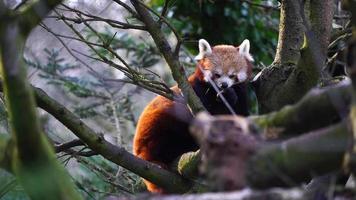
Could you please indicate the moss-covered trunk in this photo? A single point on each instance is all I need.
(300, 56)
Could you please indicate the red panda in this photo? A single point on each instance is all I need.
(162, 130)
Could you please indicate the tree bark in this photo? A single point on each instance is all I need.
(291, 31)
(248, 161)
(296, 69)
(297, 160)
(319, 108)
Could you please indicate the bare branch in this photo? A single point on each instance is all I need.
(136, 77)
(67, 145)
(128, 8)
(89, 17)
(177, 69)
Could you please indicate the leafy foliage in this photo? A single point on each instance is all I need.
(142, 54)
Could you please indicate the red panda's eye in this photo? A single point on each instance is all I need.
(231, 76)
(217, 75)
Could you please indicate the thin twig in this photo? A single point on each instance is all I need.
(128, 8)
(67, 145)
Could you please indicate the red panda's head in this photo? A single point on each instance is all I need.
(226, 65)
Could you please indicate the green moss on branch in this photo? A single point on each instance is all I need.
(319, 108)
(299, 159)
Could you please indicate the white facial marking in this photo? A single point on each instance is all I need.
(207, 75)
(242, 76)
(219, 71)
(224, 79)
(204, 48)
(244, 50)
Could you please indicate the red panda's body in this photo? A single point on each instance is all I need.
(162, 131)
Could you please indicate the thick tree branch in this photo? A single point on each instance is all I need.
(270, 90)
(309, 70)
(291, 31)
(248, 161)
(297, 160)
(321, 16)
(296, 69)
(164, 47)
(317, 109)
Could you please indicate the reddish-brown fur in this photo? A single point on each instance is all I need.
(162, 132)
(226, 57)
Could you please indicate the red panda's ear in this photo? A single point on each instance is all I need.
(204, 48)
(244, 50)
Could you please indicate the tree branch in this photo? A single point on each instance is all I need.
(137, 78)
(295, 69)
(67, 145)
(164, 47)
(291, 31)
(299, 159)
(317, 109)
(248, 161)
(309, 70)
(321, 16)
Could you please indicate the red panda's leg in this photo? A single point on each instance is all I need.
(144, 153)
(151, 187)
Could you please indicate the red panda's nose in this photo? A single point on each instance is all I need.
(224, 85)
